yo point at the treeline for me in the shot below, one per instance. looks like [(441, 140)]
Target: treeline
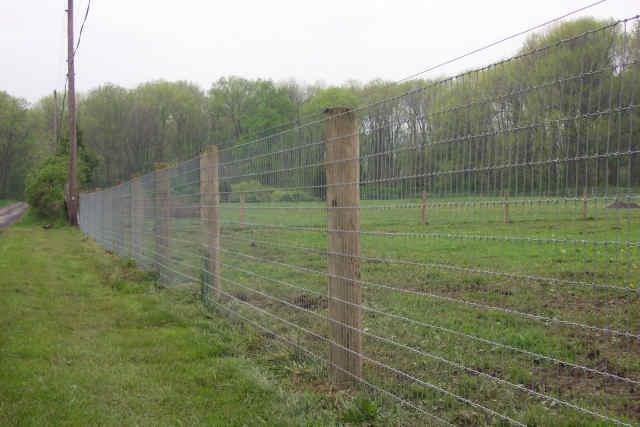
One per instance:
[(557, 101), (561, 118)]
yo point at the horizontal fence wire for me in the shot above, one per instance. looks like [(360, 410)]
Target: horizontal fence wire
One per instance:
[(469, 250)]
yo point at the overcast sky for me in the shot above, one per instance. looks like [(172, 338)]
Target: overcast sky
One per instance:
[(127, 42)]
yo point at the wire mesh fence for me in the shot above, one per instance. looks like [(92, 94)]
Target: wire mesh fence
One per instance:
[(469, 250)]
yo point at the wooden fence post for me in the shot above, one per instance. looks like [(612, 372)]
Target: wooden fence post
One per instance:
[(507, 218), (137, 216), (109, 228), (161, 217), (100, 206), (242, 197), (209, 202), (342, 149), (424, 208), (585, 204), (125, 214)]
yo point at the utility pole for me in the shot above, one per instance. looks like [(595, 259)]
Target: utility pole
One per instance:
[(55, 120), (72, 195)]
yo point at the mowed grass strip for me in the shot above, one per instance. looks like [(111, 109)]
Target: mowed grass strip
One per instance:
[(86, 339)]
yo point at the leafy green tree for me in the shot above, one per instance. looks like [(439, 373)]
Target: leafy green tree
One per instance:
[(15, 145), (241, 109), (45, 184)]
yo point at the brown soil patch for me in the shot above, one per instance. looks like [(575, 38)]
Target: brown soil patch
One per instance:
[(619, 204), (309, 302)]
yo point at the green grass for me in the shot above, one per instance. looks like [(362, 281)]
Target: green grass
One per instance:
[(436, 266), (6, 202), (87, 339)]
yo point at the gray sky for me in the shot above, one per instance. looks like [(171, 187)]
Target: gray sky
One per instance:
[(127, 42)]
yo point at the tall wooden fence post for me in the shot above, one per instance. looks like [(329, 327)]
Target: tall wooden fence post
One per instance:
[(209, 210), (242, 198), (424, 208), (161, 217), (342, 148), (137, 217), (125, 214), (585, 204), (100, 207), (507, 217), (109, 222)]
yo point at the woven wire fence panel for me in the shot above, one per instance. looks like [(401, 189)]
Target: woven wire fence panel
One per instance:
[(496, 241)]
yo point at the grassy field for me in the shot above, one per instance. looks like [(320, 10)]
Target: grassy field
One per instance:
[(6, 202), (86, 339), (535, 318)]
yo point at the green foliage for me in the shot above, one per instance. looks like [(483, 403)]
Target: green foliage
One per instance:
[(292, 196), (45, 184), (15, 145), (45, 187), (242, 108), (253, 190), (257, 192), (362, 410), (160, 121), (331, 97)]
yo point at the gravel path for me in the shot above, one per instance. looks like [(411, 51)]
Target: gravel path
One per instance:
[(10, 214)]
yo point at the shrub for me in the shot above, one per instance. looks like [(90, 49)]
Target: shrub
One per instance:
[(254, 191), (292, 196), (45, 187)]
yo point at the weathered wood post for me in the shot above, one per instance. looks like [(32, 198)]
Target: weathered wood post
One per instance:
[(100, 199), (342, 166), (137, 217), (109, 227), (424, 208), (585, 204), (507, 218), (116, 220), (242, 197), (125, 214), (209, 211), (161, 217)]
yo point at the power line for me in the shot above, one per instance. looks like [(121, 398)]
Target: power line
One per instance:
[(497, 42), (84, 20), (434, 67), (66, 80)]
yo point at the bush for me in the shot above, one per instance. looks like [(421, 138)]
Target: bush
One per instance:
[(257, 192), (292, 196), (254, 191), (45, 187)]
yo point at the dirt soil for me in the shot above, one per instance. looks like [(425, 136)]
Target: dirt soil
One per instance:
[(619, 204)]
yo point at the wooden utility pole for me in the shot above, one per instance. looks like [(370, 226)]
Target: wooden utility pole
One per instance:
[(72, 194), (55, 120), (342, 148)]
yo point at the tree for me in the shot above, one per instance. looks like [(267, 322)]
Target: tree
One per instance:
[(15, 146)]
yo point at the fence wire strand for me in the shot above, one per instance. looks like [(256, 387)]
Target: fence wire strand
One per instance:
[(489, 264)]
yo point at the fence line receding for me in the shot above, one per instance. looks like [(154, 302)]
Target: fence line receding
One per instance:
[(469, 250)]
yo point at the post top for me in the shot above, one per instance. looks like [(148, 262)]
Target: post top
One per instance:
[(210, 148), (337, 110), (160, 165)]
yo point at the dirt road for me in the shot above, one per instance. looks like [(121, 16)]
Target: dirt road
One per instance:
[(11, 213)]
